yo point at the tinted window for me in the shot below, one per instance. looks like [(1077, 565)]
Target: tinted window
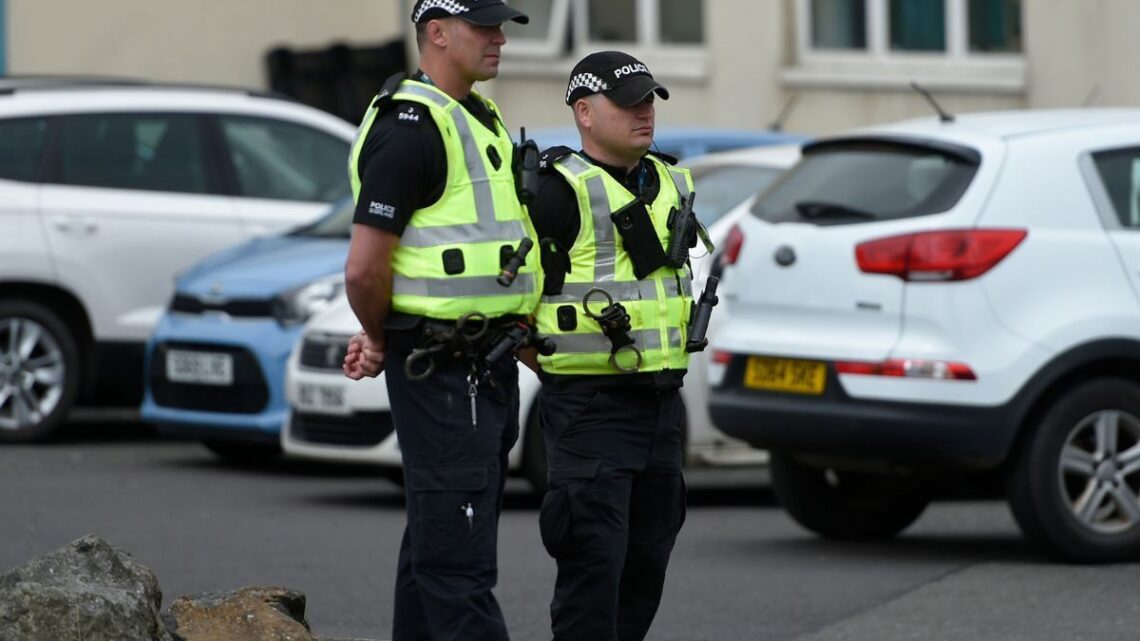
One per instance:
[(719, 188), (21, 143), (286, 161), (128, 151), (335, 224), (1120, 173), (853, 183)]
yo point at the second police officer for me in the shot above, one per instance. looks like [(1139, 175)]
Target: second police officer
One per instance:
[(437, 219), (615, 228)]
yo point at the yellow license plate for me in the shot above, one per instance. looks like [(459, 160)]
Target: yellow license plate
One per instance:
[(785, 375)]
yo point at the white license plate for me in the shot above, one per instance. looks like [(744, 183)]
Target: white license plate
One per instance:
[(202, 368), (325, 398)]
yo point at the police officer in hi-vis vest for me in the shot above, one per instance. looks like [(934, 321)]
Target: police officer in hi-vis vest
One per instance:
[(438, 277), (615, 226)]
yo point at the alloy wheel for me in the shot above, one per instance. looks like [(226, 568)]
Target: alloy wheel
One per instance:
[(31, 373), (1099, 471)]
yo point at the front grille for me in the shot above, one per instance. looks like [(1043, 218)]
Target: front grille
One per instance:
[(323, 351), (360, 429), (237, 307), (249, 393)]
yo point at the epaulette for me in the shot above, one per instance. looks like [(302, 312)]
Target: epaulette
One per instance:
[(550, 156), (671, 160), (388, 89)]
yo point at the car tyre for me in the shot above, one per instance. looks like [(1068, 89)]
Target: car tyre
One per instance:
[(1074, 482), (534, 467), (845, 505), (39, 379), (244, 454)]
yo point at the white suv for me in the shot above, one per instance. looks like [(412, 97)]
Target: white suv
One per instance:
[(108, 189), (935, 302)]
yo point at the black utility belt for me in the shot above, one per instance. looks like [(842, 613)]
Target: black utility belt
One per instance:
[(663, 381)]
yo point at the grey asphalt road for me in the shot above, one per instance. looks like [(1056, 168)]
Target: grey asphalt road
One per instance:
[(741, 571)]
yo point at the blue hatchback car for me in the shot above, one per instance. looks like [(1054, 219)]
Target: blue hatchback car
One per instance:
[(215, 364)]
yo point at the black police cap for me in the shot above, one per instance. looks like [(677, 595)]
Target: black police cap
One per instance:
[(619, 76), (485, 13)]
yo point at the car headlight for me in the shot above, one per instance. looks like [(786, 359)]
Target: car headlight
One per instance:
[(300, 304)]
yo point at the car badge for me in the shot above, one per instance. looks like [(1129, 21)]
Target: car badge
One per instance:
[(216, 289), (785, 256)]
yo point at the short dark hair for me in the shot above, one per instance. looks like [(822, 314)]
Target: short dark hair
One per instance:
[(421, 34)]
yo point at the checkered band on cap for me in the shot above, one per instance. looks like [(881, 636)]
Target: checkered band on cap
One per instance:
[(450, 6), (587, 80)]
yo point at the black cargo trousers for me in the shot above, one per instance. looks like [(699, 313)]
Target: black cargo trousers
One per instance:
[(454, 475), (615, 505)]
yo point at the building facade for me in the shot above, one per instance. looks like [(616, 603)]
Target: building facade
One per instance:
[(830, 64)]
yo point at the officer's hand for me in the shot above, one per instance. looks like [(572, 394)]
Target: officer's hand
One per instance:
[(365, 357)]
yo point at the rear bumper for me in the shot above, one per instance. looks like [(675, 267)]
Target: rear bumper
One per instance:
[(837, 425)]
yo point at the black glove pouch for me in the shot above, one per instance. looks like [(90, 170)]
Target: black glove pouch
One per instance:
[(555, 266), (639, 238)]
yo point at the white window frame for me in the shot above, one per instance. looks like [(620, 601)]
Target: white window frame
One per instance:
[(880, 67), (548, 47), (544, 57)]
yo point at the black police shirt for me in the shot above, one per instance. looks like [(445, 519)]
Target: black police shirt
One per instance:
[(555, 210), (403, 165)]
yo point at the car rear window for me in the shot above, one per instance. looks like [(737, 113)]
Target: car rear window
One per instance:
[(842, 183), (21, 144), (722, 187)]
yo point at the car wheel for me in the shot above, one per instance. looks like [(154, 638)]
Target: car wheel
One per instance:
[(246, 454), (1075, 483), (534, 455), (39, 371), (845, 505)]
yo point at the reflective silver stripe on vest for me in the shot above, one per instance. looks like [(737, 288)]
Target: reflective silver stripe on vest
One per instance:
[(605, 247), (672, 289), (645, 339), (459, 287), (423, 92), (679, 181), (620, 291), (509, 232), (486, 229), (675, 337)]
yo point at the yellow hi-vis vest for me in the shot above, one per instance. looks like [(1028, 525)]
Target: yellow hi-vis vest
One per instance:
[(658, 305), (478, 214)]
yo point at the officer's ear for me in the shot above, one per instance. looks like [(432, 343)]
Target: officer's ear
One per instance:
[(583, 112), (438, 32)]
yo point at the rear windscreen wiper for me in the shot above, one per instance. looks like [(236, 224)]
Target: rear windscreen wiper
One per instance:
[(813, 209)]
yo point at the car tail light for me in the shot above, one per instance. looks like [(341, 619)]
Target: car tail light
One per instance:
[(909, 368), (723, 358), (938, 255), (732, 246)]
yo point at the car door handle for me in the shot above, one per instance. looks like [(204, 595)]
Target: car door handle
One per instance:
[(70, 224)]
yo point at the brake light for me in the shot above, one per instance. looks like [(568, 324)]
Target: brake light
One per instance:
[(732, 246), (723, 358), (909, 368), (945, 255)]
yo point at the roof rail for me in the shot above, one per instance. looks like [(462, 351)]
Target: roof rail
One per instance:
[(12, 84)]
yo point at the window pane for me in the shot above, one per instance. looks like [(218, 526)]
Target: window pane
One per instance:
[(682, 21), (123, 151), (539, 12), (995, 25), (723, 187), (918, 25), (281, 160), (21, 144), (839, 24), (1120, 173), (859, 183), (613, 20)]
